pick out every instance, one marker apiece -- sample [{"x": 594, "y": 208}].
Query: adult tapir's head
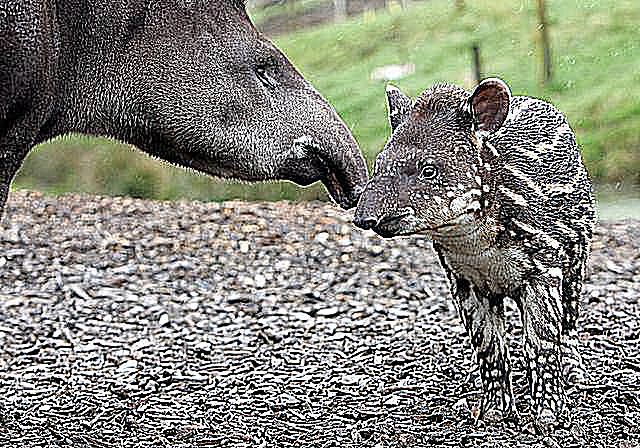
[{"x": 194, "y": 82}]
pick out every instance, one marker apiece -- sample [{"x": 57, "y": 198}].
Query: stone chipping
[{"x": 134, "y": 323}]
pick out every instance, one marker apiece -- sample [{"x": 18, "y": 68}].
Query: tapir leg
[
  {"x": 572, "y": 282},
  {"x": 28, "y": 73},
  {"x": 483, "y": 319},
  {"x": 17, "y": 138},
  {"x": 541, "y": 307},
  {"x": 8, "y": 169}
]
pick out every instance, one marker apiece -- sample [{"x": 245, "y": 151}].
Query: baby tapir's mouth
[
  {"x": 457, "y": 227},
  {"x": 385, "y": 226}
]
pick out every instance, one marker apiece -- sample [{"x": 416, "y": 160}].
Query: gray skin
[
  {"x": 191, "y": 82},
  {"x": 497, "y": 182}
]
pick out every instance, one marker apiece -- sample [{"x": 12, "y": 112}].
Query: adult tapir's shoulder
[
  {"x": 26, "y": 28},
  {"x": 29, "y": 49}
]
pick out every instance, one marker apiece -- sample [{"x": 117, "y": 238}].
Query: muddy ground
[{"x": 127, "y": 323}]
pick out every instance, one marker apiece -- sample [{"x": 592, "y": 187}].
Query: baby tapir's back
[{"x": 542, "y": 183}]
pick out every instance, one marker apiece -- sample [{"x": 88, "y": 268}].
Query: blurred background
[{"x": 582, "y": 55}]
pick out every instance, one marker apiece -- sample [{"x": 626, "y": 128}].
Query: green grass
[
  {"x": 287, "y": 10},
  {"x": 596, "y": 61},
  {"x": 596, "y": 64}
]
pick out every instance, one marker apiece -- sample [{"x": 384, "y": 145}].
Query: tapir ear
[
  {"x": 489, "y": 104},
  {"x": 399, "y": 106}
]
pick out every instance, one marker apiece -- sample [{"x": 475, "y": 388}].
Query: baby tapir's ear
[
  {"x": 489, "y": 104},
  {"x": 399, "y": 106}
]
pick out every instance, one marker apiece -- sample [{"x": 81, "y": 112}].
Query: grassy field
[{"x": 596, "y": 63}]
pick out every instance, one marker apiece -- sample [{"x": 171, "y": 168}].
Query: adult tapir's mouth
[
  {"x": 338, "y": 191},
  {"x": 343, "y": 186}
]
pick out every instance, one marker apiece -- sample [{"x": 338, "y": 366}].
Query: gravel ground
[{"x": 132, "y": 323}]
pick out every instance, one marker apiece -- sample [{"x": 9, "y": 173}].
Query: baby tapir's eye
[{"x": 429, "y": 172}]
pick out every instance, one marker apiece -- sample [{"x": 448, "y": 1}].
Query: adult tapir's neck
[{"x": 103, "y": 48}]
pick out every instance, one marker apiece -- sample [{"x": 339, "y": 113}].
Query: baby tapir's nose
[{"x": 368, "y": 212}]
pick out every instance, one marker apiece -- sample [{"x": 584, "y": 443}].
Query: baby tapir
[{"x": 499, "y": 185}]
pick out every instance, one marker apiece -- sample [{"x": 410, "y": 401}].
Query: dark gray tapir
[{"x": 190, "y": 81}]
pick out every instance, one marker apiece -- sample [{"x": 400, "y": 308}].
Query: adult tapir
[{"x": 190, "y": 81}]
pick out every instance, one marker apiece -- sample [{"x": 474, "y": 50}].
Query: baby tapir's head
[{"x": 430, "y": 174}]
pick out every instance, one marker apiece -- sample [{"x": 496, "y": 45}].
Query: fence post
[
  {"x": 477, "y": 72},
  {"x": 544, "y": 42},
  {"x": 340, "y": 9}
]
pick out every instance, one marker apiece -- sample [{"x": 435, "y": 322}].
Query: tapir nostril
[{"x": 366, "y": 222}]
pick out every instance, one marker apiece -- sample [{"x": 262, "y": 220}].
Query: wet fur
[{"x": 511, "y": 215}]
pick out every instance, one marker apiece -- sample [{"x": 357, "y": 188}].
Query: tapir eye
[
  {"x": 429, "y": 172},
  {"x": 262, "y": 72}
]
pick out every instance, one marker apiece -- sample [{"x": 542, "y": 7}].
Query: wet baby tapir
[{"x": 498, "y": 183}]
